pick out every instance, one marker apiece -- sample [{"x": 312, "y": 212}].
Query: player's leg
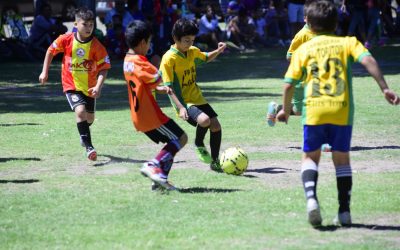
[
  {"x": 313, "y": 138},
  {"x": 201, "y": 121},
  {"x": 159, "y": 167},
  {"x": 341, "y": 159},
  {"x": 77, "y": 102}
]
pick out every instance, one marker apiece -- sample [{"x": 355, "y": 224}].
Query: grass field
[{"x": 52, "y": 197}]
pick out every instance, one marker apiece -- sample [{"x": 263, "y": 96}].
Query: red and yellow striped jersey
[
  {"x": 81, "y": 63},
  {"x": 141, "y": 77}
]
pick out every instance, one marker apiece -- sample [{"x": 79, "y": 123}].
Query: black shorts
[
  {"x": 168, "y": 132},
  {"x": 76, "y": 98},
  {"x": 195, "y": 110}
]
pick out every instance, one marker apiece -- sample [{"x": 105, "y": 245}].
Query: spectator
[
  {"x": 120, "y": 10},
  {"x": 357, "y": 10},
  {"x": 278, "y": 30},
  {"x": 260, "y": 24},
  {"x": 242, "y": 31},
  {"x": 136, "y": 13},
  {"x": 296, "y": 15},
  {"x": 251, "y": 5},
  {"x": 115, "y": 42},
  {"x": 373, "y": 20},
  {"x": 44, "y": 30},
  {"x": 209, "y": 31}
]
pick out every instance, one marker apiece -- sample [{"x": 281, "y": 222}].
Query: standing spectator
[
  {"x": 115, "y": 42},
  {"x": 278, "y": 30},
  {"x": 44, "y": 30},
  {"x": 373, "y": 21},
  {"x": 120, "y": 10},
  {"x": 357, "y": 10},
  {"x": 209, "y": 31},
  {"x": 296, "y": 15}
]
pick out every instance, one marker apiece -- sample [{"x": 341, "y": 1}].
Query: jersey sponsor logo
[
  {"x": 85, "y": 65},
  {"x": 129, "y": 67},
  {"x": 80, "y": 52}
]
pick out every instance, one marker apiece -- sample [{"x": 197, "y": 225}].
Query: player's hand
[
  {"x": 221, "y": 47},
  {"x": 391, "y": 97},
  {"x": 183, "y": 114},
  {"x": 168, "y": 90},
  {"x": 43, "y": 78},
  {"x": 282, "y": 116},
  {"x": 94, "y": 92}
]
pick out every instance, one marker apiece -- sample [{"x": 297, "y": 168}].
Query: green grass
[{"x": 52, "y": 197}]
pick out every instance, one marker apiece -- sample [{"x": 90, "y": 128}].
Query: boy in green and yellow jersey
[{"x": 323, "y": 65}]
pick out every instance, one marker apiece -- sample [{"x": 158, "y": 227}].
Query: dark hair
[
  {"x": 307, "y": 6},
  {"x": 184, "y": 27},
  {"x": 322, "y": 16},
  {"x": 135, "y": 32},
  {"x": 84, "y": 14}
]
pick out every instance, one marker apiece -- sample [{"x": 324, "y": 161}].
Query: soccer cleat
[
  {"x": 271, "y": 113},
  {"x": 216, "y": 166},
  {"x": 203, "y": 154},
  {"x": 91, "y": 153},
  {"x": 156, "y": 174},
  {"x": 314, "y": 214},
  {"x": 168, "y": 187},
  {"x": 326, "y": 148},
  {"x": 343, "y": 219}
]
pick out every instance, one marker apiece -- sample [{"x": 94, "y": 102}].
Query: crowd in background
[{"x": 245, "y": 24}]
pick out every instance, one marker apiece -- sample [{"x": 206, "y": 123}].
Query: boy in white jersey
[{"x": 322, "y": 64}]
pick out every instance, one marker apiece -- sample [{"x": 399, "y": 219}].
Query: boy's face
[
  {"x": 184, "y": 44},
  {"x": 85, "y": 28}
]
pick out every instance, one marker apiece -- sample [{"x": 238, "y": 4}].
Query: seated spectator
[
  {"x": 44, "y": 30},
  {"x": 209, "y": 31},
  {"x": 243, "y": 33},
  {"x": 115, "y": 42},
  {"x": 120, "y": 10},
  {"x": 260, "y": 24}
]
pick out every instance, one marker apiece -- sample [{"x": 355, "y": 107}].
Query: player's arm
[
  {"x": 283, "y": 115},
  {"x": 45, "y": 70},
  {"x": 182, "y": 110},
  {"x": 213, "y": 54},
  {"x": 95, "y": 92},
  {"x": 372, "y": 67}
]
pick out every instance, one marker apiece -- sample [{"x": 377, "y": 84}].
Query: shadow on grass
[
  {"x": 375, "y": 227},
  {"x": 114, "y": 159},
  {"x": 27, "y": 181},
  {"x": 206, "y": 190},
  {"x": 268, "y": 170},
  {"x": 19, "y": 159},
  {"x": 19, "y": 124}
]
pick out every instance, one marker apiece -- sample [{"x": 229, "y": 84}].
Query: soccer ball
[{"x": 234, "y": 161}]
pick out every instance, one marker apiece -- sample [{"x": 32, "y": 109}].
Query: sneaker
[
  {"x": 271, "y": 113},
  {"x": 91, "y": 153},
  {"x": 326, "y": 148},
  {"x": 168, "y": 187},
  {"x": 156, "y": 174},
  {"x": 203, "y": 154},
  {"x": 343, "y": 219},
  {"x": 314, "y": 214},
  {"x": 215, "y": 166}
]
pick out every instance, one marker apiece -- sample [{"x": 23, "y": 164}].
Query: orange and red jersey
[
  {"x": 141, "y": 77},
  {"x": 81, "y": 63}
]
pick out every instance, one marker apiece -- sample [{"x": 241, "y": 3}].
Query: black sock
[
  {"x": 344, "y": 181},
  {"x": 215, "y": 143},
  {"x": 84, "y": 132},
  {"x": 200, "y": 134},
  {"x": 309, "y": 176}
]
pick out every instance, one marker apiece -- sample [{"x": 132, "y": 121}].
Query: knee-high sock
[
  {"x": 200, "y": 134},
  {"x": 344, "y": 181},
  {"x": 84, "y": 132},
  {"x": 215, "y": 143},
  {"x": 165, "y": 157},
  {"x": 309, "y": 176}
]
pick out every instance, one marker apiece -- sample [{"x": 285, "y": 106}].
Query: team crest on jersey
[
  {"x": 74, "y": 98},
  {"x": 80, "y": 52},
  {"x": 128, "y": 66}
]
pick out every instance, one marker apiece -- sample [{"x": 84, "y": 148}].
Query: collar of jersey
[
  {"x": 178, "y": 52},
  {"x": 76, "y": 38}
]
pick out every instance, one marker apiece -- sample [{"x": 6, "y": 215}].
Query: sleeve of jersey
[
  {"x": 57, "y": 46},
  {"x": 357, "y": 50},
  {"x": 149, "y": 74},
  {"x": 296, "y": 71},
  {"x": 293, "y": 46},
  {"x": 103, "y": 60},
  {"x": 167, "y": 71},
  {"x": 199, "y": 56}
]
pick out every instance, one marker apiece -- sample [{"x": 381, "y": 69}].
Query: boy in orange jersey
[
  {"x": 84, "y": 69},
  {"x": 141, "y": 78}
]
